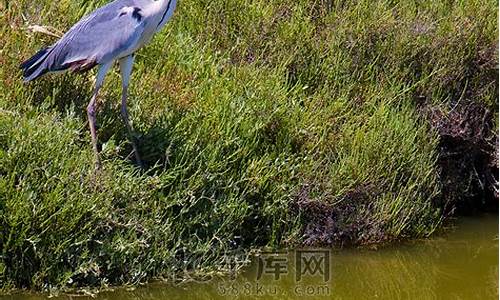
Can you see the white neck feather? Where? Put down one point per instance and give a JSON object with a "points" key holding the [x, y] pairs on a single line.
{"points": [[162, 11]]}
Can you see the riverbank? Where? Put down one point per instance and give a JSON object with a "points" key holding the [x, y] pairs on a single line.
{"points": [[261, 124], [460, 262]]}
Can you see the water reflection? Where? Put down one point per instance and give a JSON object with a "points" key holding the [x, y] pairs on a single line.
{"points": [[462, 264]]}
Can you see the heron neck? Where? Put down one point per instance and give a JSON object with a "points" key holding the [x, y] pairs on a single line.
{"points": [[165, 10], [166, 5]]}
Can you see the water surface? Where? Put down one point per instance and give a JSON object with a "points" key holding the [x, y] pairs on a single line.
{"points": [[461, 264]]}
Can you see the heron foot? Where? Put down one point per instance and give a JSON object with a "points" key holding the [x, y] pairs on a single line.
{"points": [[135, 149], [98, 164], [137, 156]]}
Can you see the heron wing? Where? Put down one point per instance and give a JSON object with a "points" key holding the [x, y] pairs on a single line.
{"points": [[101, 36]]}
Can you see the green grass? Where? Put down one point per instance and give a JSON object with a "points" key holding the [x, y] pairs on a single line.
{"points": [[248, 112]]}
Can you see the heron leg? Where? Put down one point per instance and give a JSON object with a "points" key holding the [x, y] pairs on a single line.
{"points": [[91, 111], [125, 70], [91, 114], [129, 127]]}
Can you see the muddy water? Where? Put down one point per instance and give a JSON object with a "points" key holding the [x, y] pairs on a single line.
{"points": [[461, 264]]}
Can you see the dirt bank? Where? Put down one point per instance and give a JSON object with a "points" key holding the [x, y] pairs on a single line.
{"points": [[468, 157]]}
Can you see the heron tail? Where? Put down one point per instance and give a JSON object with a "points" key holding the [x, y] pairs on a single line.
{"points": [[35, 67]]}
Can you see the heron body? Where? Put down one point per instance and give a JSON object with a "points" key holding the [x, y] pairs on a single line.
{"points": [[111, 33]]}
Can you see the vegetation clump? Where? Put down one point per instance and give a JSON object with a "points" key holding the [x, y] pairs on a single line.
{"points": [[261, 123]]}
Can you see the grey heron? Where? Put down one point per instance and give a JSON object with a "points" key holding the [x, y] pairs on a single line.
{"points": [[113, 32]]}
